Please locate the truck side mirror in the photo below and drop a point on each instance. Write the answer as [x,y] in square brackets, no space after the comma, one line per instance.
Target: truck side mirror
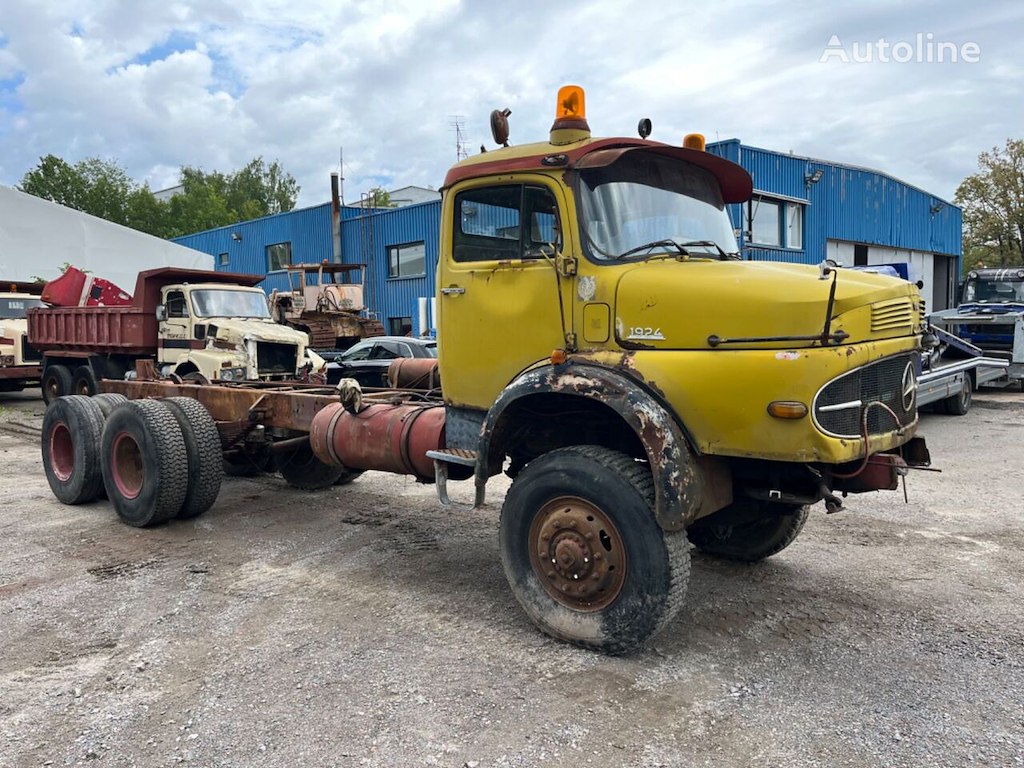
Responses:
[161,312]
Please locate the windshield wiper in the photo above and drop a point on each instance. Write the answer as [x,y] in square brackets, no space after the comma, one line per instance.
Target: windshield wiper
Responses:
[708,244]
[651,246]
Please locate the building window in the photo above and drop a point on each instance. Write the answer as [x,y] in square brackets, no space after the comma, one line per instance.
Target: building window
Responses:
[279,256]
[400,326]
[408,260]
[775,223]
[507,222]
[222,259]
[794,226]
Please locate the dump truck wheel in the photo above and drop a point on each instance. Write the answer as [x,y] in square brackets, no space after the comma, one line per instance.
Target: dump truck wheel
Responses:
[748,530]
[108,401]
[302,469]
[72,427]
[202,445]
[960,403]
[56,382]
[584,554]
[145,462]
[83,382]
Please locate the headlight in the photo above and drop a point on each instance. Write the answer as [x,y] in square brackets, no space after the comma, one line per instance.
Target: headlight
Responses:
[232,374]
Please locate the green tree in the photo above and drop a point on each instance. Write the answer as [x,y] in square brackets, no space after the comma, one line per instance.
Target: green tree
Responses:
[993,205]
[209,199]
[378,197]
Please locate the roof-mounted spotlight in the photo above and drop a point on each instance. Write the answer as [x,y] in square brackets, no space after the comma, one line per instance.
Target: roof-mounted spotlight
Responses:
[813,177]
[644,127]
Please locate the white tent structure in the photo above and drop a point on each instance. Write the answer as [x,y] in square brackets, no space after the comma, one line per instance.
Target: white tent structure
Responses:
[38,237]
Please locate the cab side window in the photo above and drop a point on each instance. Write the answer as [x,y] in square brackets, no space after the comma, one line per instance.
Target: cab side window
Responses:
[512,221]
[176,306]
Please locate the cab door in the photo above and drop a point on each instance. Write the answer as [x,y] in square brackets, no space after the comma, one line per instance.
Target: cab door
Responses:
[498,293]
[174,332]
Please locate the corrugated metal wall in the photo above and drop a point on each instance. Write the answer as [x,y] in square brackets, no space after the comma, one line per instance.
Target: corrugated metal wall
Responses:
[365,239]
[847,203]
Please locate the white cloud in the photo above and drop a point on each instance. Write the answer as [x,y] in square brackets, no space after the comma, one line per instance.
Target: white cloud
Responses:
[298,81]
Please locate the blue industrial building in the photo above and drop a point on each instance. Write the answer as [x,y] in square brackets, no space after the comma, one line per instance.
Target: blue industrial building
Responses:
[803,210]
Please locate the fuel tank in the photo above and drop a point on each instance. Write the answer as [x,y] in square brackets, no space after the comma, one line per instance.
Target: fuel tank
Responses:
[388,438]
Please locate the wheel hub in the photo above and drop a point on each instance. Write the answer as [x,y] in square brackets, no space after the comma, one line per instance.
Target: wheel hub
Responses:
[577,554]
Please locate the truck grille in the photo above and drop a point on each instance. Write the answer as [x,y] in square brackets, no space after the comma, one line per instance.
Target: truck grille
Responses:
[894,315]
[29,354]
[275,359]
[839,405]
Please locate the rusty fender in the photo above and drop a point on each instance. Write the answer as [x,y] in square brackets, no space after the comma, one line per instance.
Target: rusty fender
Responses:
[683,490]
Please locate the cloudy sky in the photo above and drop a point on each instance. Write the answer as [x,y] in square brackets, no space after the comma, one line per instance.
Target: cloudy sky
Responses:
[157,84]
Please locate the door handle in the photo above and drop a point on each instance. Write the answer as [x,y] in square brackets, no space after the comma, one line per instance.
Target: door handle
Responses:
[453,290]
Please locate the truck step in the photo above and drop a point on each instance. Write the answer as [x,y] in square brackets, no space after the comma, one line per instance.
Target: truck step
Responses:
[454,456]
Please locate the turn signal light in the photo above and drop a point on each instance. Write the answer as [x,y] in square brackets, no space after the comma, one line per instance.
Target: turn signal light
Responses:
[787,409]
[694,141]
[558,357]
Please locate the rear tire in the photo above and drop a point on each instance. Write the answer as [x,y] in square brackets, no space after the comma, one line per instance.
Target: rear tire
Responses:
[108,401]
[583,553]
[145,463]
[348,475]
[748,530]
[205,458]
[302,469]
[83,381]
[72,427]
[56,382]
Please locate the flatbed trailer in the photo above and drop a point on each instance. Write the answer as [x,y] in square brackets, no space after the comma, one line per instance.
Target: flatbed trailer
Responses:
[956,371]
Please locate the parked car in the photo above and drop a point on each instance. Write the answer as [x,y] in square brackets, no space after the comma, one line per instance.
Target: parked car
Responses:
[367,362]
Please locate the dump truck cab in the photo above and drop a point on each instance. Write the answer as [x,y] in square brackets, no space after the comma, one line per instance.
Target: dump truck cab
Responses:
[20,364]
[225,332]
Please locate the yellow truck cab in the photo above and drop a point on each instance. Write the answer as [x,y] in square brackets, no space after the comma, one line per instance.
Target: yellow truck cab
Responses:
[602,341]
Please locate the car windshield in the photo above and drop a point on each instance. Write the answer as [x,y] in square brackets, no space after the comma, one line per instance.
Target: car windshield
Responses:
[994,291]
[227,303]
[646,203]
[430,349]
[15,309]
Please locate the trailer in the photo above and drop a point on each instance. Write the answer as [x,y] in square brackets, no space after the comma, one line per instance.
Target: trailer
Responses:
[602,343]
[199,324]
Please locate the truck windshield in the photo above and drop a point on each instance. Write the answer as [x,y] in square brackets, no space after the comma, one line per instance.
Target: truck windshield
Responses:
[994,291]
[15,309]
[225,303]
[645,203]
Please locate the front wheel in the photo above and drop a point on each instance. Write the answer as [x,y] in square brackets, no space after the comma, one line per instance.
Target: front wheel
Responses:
[583,553]
[960,403]
[748,530]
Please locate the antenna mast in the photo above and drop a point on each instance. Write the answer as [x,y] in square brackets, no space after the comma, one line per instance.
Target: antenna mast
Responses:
[458,124]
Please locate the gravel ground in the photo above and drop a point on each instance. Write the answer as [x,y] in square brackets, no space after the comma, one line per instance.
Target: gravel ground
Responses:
[364,625]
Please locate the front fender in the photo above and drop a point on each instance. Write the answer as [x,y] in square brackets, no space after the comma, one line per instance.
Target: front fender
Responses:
[680,486]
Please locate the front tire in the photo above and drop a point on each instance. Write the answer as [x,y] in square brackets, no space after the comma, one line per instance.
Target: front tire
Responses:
[960,403]
[748,530]
[585,556]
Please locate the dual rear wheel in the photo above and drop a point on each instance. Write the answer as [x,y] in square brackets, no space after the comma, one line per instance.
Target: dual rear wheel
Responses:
[155,459]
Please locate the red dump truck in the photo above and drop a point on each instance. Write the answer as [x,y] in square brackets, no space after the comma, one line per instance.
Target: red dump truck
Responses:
[602,344]
[196,324]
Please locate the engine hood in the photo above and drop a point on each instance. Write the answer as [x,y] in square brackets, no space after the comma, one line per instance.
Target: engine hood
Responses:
[680,304]
[234,330]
